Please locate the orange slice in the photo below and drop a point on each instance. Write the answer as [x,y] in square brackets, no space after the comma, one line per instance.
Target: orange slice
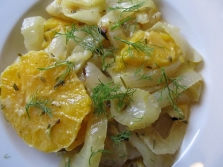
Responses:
[149,49]
[23,83]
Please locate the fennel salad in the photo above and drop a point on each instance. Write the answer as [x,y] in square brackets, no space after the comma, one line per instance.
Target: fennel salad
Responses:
[107,83]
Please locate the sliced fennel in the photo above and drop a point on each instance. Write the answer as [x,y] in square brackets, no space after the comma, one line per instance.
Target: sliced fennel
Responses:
[168,145]
[33,32]
[94,76]
[118,155]
[90,154]
[58,47]
[189,52]
[186,80]
[140,113]
[149,158]
[143,78]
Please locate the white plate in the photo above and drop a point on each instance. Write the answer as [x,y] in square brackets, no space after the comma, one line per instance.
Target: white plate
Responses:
[201,23]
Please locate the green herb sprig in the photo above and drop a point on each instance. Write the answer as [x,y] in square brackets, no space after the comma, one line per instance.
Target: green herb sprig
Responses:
[96,46]
[133,8]
[174,92]
[38,102]
[142,76]
[50,127]
[139,46]
[121,137]
[6,156]
[102,94]
[69,34]
[96,152]
[67,162]
[61,78]
[93,43]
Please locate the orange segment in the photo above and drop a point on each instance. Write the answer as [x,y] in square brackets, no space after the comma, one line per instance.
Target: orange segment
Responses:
[164,51]
[51,27]
[68,103]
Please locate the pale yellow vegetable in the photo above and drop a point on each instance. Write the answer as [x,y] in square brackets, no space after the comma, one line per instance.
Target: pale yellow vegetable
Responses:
[94,76]
[90,154]
[160,145]
[186,80]
[58,47]
[33,32]
[142,111]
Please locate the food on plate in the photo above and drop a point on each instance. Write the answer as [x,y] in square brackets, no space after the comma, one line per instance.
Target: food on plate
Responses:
[107,82]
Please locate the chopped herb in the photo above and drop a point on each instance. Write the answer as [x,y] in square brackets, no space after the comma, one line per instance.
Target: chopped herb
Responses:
[121,22]
[151,159]
[173,93]
[67,162]
[96,46]
[61,78]
[139,69]
[124,155]
[69,34]
[154,143]
[50,127]
[19,54]
[6,156]
[121,137]
[137,134]
[102,94]
[145,77]
[132,8]
[139,46]
[93,42]
[2,106]
[95,152]
[15,87]
[123,82]
[37,102]
[42,79]
[137,118]
[18,74]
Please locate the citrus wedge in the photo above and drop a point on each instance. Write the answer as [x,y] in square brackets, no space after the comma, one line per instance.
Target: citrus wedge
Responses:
[45,116]
[150,49]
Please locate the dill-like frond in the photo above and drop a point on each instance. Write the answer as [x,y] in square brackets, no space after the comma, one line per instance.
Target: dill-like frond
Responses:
[133,8]
[121,137]
[38,102]
[95,152]
[174,92]
[92,42]
[102,94]
[69,34]
[61,78]
[139,46]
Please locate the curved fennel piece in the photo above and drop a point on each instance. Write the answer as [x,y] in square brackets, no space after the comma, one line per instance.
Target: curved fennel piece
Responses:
[54,9]
[80,56]
[33,32]
[149,158]
[122,10]
[142,111]
[149,78]
[119,14]
[76,9]
[90,154]
[161,145]
[189,52]
[94,76]
[185,81]
[58,47]
[119,152]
